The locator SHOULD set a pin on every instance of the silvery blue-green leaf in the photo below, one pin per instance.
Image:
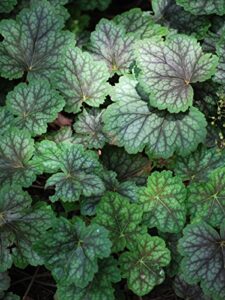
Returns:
(169, 67)
(135, 125)
(88, 129)
(109, 43)
(203, 7)
(16, 165)
(82, 80)
(33, 43)
(220, 73)
(34, 106)
(6, 119)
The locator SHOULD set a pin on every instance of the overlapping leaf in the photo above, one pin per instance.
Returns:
(174, 16)
(16, 151)
(121, 218)
(71, 250)
(20, 226)
(6, 119)
(140, 24)
(135, 168)
(99, 288)
(89, 130)
(79, 170)
(220, 73)
(164, 201)
(206, 201)
(134, 125)
(109, 43)
(199, 164)
(4, 283)
(203, 251)
(203, 7)
(82, 80)
(143, 265)
(34, 105)
(33, 43)
(169, 67)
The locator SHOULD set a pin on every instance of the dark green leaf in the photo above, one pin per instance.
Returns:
(203, 7)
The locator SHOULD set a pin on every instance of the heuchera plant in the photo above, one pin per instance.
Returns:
(112, 160)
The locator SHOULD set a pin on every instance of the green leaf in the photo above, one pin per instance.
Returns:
(64, 134)
(80, 171)
(71, 251)
(203, 251)
(82, 80)
(34, 105)
(135, 168)
(199, 164)
(93, 4)
(7, 5)
(168, 68)
(4, 283)
(139, 24)
(20, 226)
(109, 43)
(143, 265)
(187, 291)
(203, 7)
(134, 125)
(88, 129)
(121, 218)
(16, 151)
(99, 288)
(164, 201)
(33, 43)
(206, 201)
(174, 16)
(6, 119)
(220, 73)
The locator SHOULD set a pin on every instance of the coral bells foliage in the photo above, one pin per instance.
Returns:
(128, 192)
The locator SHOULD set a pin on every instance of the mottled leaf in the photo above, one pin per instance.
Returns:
(164, 201)
(34, 105)
(6, 119)
(168, 68)
(82, 80)
(220, 73)
(71, 250)
(203, 251)
(109, 43)
(142, 266)
(7, 5)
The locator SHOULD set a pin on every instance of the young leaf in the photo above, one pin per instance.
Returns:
(88, 129)
(203, 7)
(121, 218)
(20, 226)
(134, 125)
(80, 172)
(109, 43)
(206, 201)
(203, 251)
(168, 68)
(34, 105)
(99, 288)
(82, 80)
(199, 164)
(139, 24)
(71, 251)
(164, 201)
(16, 151)
(33, 43)
(135, 168)
(7, 5)
(142, 266)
